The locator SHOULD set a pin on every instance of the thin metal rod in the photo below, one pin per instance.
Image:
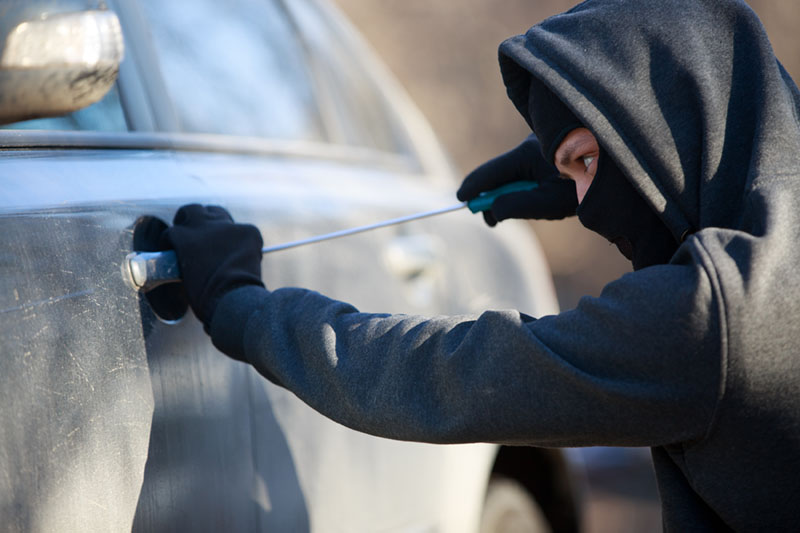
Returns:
(360, 229)
(147, 270)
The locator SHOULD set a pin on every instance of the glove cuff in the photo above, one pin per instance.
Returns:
(228, 324)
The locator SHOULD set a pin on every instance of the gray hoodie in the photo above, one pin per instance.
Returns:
(695, 358)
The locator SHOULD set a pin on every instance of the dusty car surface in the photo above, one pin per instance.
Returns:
(117, 413)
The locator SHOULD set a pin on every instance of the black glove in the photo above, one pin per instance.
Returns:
(215, 255)
(553, 199)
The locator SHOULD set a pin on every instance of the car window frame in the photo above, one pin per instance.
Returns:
(153, 124)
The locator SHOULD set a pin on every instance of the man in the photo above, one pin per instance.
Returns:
(677, 130)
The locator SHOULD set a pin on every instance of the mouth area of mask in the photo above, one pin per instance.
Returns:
(613, 208)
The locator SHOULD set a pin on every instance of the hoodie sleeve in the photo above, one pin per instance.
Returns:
(638, 366)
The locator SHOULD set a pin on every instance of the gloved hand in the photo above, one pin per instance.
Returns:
(553, 199)
(215, 255)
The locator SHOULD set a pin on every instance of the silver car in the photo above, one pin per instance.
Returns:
(117, 413)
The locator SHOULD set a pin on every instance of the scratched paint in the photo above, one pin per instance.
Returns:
(74, 381)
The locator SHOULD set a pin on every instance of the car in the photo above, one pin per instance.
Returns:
(117, 412)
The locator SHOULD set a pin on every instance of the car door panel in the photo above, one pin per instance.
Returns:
(76, 393)
(219, 453)
(115, 419)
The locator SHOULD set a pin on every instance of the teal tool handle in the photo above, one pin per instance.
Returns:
(485, 200)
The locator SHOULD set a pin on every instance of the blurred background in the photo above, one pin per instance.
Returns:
(445, 54)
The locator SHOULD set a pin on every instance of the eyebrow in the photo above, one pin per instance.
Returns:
(569, 151)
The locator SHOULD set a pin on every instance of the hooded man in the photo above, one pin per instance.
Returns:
(675, 127)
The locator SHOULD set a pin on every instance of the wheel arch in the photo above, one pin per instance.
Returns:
(547, 475)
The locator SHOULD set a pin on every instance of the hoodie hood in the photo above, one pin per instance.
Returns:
(549, 118)
(686, 96)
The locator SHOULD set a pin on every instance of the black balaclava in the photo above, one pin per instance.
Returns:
(611, 206)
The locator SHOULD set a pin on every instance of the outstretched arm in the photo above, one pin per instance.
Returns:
(640, 365)
(637, 366)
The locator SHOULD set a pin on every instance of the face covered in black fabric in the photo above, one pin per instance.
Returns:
(614, 209)
(611, 206)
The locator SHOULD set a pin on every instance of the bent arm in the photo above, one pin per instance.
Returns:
(637, 366)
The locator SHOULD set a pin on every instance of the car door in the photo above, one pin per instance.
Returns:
(117, 412)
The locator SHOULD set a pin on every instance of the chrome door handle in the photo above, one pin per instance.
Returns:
(408, 256)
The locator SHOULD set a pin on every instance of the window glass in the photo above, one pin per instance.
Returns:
(268, 68)
(234, 67)
(105, 115)
(353, 103)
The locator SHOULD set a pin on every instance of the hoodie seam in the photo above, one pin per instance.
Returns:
(724, 337)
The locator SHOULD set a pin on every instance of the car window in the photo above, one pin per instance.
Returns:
(251, 67)
(234, 67)
(105, 115)
(352, 100)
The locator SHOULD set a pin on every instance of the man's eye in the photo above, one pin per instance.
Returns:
(587, 160)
